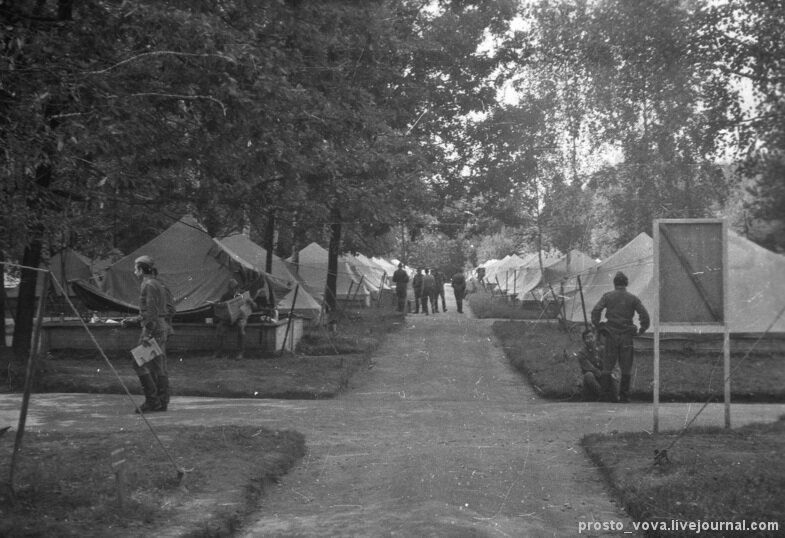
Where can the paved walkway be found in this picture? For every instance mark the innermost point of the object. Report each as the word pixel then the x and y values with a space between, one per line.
pixel 439 438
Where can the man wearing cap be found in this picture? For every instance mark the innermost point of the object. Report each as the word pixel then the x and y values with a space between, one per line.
pixel 620 306
pixel 155 310
pixel 401 279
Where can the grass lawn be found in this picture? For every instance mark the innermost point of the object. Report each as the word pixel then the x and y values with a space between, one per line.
pixel 543 351
pixel 712 475
pixel 64 483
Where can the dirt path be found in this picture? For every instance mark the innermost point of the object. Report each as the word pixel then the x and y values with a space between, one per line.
pixel 440 438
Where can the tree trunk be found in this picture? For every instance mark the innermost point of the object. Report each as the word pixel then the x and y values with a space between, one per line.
pixel 269 242
pixel 25 305
pixel 2 299
pixel 333 251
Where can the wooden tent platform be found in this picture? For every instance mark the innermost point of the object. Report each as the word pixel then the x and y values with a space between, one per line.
pixel 264 337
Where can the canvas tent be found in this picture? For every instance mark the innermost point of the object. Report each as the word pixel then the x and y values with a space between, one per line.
pixel 373 275
pixel 388 267
pixel 312 269
pixel 756 283
pixel 506 272
pixel 66 266
pixel 560 276
pixel 305 305
pixel 195 267
pixel 529 275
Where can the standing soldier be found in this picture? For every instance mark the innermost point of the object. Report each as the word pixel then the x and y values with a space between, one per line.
pixel 620 306
pixel 439 277
pixel 417 286
pixel 428 290
pixel 154 313
pixel 223 326
pixel 458 281
pixel 401 279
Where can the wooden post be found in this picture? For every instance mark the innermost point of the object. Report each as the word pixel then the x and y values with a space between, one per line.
pixel 381 289
pixel 655 385
pixel 289 321
pixel 359 285
pixel 583 303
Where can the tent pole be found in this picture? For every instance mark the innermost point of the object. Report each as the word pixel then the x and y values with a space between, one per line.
pixel 362 278
pixel 289 321
pixel 583 304
pixel 381 287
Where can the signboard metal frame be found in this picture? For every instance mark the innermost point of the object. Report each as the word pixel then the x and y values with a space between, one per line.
pixel 720 326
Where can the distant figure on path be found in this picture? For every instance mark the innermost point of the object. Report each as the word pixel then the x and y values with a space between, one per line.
pixel 417 286
pixel 598 380
pixel 439 277
pixel 620 306
pixel 401 279
pixel 458 281
pixel 428 291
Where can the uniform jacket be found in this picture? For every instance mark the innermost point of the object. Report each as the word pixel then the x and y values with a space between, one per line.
pixel 620 306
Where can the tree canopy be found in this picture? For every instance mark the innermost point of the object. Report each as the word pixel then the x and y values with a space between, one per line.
pixel 371 123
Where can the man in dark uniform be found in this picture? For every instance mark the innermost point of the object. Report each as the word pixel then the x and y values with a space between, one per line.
pixel 439 277
pixel 417 286
pixel 428 291
pixel 620 306
pixel 401 279
pixel 154 313
pixel 458 281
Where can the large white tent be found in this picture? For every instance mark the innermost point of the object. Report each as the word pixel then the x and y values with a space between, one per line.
pixel 312 269
pixel 505 271
pixel 529 275
pixel 756 282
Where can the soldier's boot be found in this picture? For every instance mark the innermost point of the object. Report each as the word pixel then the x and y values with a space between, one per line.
pixel 162 382
pixel 151 401
pixel 624 389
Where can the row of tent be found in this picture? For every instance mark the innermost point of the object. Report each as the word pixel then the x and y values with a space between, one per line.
pixel 197 269
pixel 756 281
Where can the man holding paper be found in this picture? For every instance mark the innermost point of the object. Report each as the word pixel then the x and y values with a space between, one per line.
pixel 154 312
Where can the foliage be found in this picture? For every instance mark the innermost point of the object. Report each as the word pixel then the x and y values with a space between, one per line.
pixel 639 77
pixel 753 53
pixel 498 245
pixel 436 251
pixel 325 116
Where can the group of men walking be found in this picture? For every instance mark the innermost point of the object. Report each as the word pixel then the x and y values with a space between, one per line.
pixel 428 289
